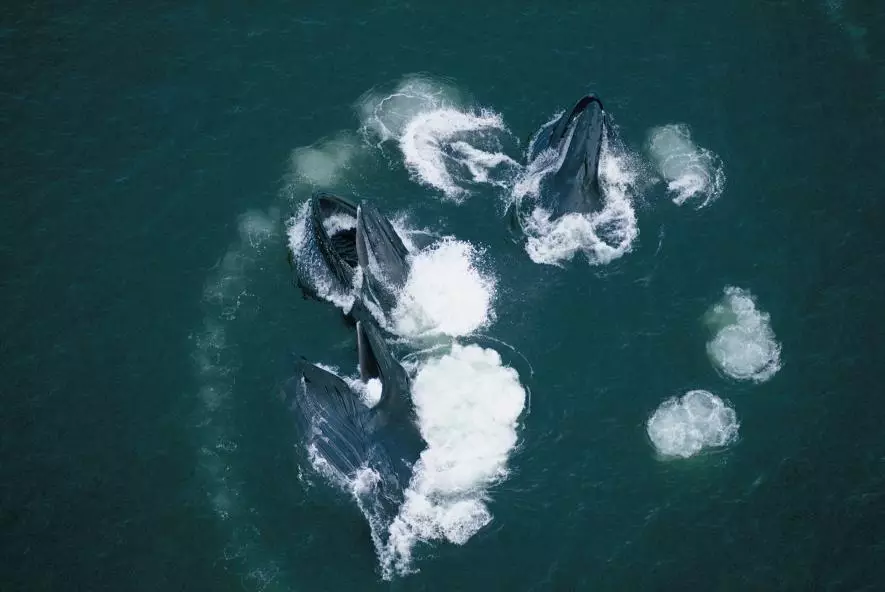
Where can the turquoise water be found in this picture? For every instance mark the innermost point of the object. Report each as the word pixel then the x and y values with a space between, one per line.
pixel 150 165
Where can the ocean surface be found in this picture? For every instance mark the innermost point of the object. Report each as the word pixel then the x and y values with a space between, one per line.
pixel 686 394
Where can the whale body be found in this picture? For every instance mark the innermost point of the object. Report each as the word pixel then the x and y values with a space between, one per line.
pixel 358 243
pixel 333 423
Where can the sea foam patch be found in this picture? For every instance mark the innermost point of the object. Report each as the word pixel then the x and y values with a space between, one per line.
pixel 692 173
pixel 743 345
pixel 468 404
pixel 447 292
pixel 684 426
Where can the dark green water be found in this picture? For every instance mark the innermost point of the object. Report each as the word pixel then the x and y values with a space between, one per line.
pixel 135 139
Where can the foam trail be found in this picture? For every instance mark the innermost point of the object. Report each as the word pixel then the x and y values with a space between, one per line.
pixel 216 365
pixel 684 426
pixel 601 236
pixel 691 172
pixel 468 405
pixel 444 144
pixel 743 345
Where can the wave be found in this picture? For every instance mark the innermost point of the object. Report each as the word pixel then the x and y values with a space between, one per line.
pixel 743 345
pixel 684 426
pixel 691 172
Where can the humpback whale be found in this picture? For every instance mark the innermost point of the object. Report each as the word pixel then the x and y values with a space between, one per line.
pixel 577 137
pixel 347 436
pixel 358 244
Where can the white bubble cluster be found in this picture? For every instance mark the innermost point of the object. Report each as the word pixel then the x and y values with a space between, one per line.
pixel 743 345
pixel 684 426
pixel 692 173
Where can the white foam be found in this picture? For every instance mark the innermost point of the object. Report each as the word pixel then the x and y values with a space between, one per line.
pixel 445 293
pixel 743 345
pixel 692 172
pixel 468 404
pixel 444 144
pixel 368 391
pixel 601 236
pixel 434 156
pixel 683 427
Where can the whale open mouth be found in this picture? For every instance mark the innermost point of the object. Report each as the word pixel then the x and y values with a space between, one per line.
pixel 334 220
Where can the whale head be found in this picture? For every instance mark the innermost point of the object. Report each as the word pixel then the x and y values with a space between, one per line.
pixel 577 136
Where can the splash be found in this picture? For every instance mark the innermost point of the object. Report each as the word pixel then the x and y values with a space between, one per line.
pixel 601 236
pixel 468 404
pixel 692 173
pixel 743 345
pixel 683 427
pixel 444 144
